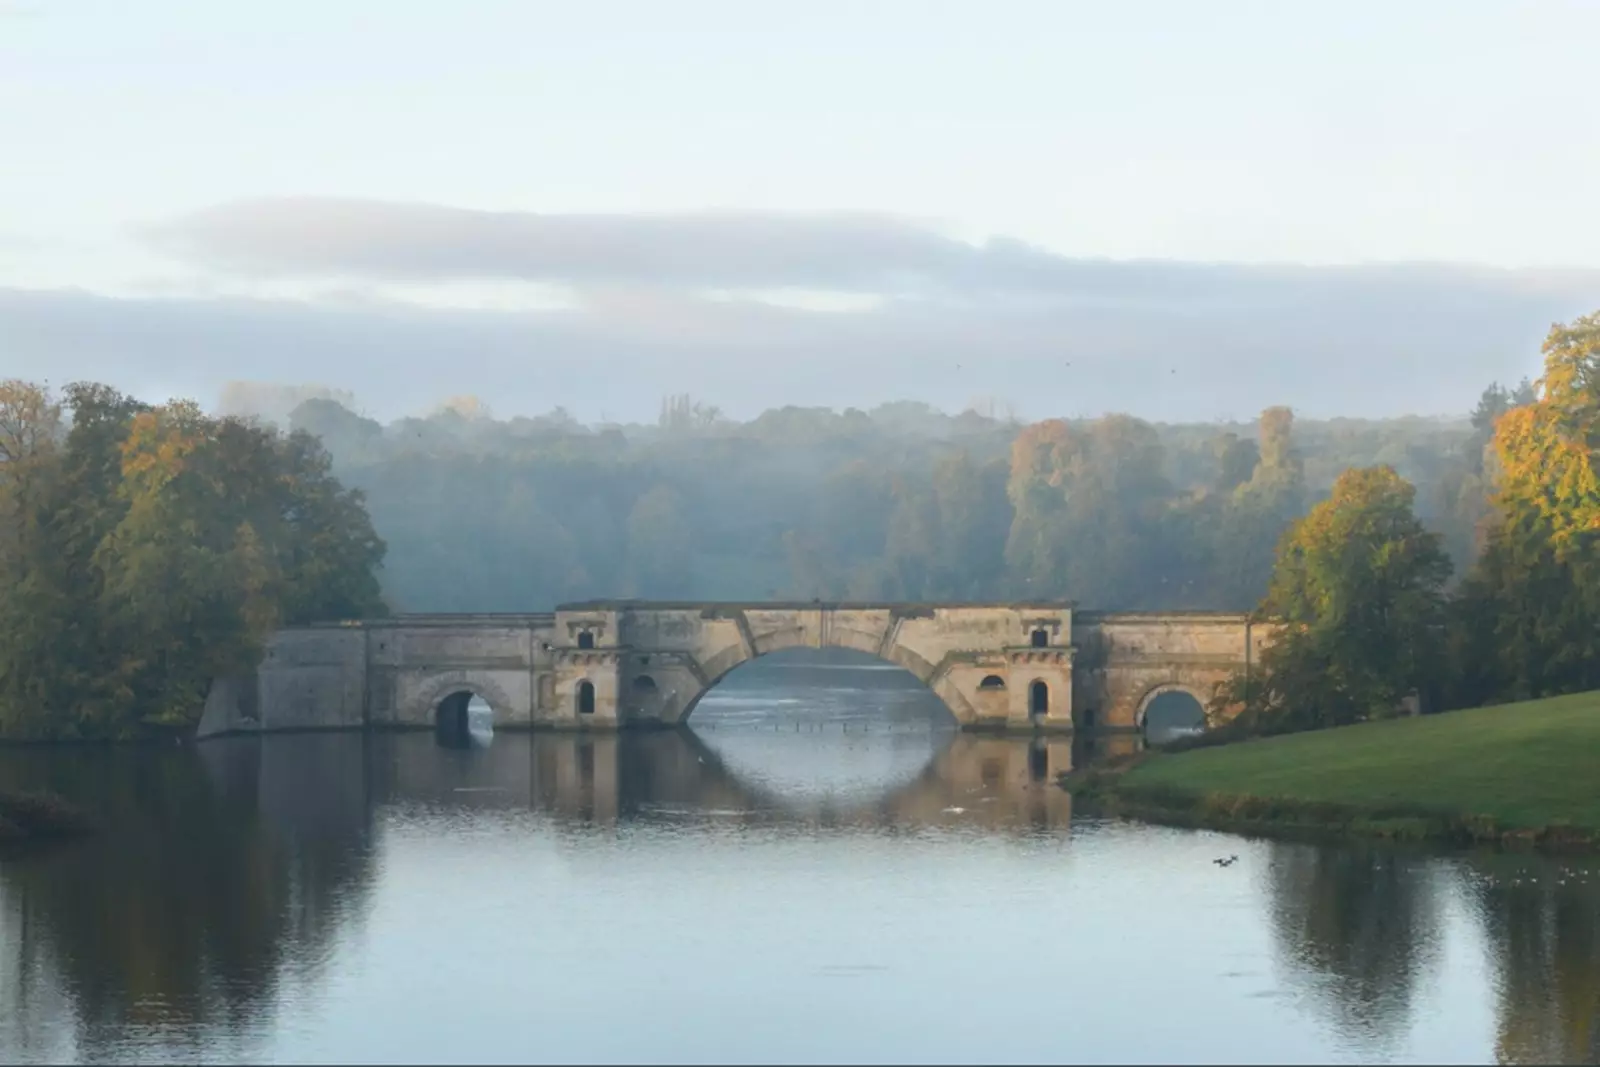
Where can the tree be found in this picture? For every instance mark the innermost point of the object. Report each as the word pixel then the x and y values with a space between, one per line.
pixel 1236 460
pixel 911 542
pixel 682 414
pixel 341 431
pixel 973 519
pixel 1042 460
pixel 153 550
pixel 660 545
pixel 1527 622
pixel 1358 588
pixel 1246 534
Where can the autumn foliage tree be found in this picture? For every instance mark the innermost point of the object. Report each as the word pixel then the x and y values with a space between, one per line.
pixel 1528 620
pixel 147 550
pixel 1358 588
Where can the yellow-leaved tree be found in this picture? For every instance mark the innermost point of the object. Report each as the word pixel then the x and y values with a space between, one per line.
pixel 1527 622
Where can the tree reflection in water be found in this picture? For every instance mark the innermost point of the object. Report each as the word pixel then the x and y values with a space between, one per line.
pixel 219 865
pixel 1542 920
pixel 232 872
pixel 1356 926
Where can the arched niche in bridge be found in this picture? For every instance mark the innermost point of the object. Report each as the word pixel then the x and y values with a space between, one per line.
pixel 585 697
pixel 644 697
pixel 1041 638
pixel 992 697
pixel 586 639
pixel 1039 698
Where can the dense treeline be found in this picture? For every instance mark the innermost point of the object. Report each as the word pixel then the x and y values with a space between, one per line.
pixel 1362 583
pixel 900 503
pixel 145 550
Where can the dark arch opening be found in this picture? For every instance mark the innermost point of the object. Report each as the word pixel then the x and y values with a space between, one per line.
pixel 586 639
pixel 992 682
pixel 1038 699
pixel 1172 714
pixel 453 717
pixel 1041 639
pixel 586 698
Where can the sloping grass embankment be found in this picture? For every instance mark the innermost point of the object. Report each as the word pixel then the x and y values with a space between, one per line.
pixel 1525 773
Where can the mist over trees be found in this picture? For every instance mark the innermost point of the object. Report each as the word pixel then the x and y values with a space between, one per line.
pixel 902 502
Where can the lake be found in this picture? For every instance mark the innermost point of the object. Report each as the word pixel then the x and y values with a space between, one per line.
pixel 820 870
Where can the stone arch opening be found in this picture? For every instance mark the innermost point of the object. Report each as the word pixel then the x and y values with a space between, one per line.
pixel 992 683
pixel 456 713
pixel 586 639
pixel 585 697
pixel 826 685
pixel 1171 711
pixel 1039 698
pixel 1041 638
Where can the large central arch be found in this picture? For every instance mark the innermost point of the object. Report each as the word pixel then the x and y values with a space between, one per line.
pixel 714 678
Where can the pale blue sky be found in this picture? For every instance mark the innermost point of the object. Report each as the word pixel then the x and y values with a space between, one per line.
pixel 1272 130
pixel 1283 131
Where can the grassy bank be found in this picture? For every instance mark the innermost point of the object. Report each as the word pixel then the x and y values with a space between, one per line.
pixel 1524 773
pixel 37 818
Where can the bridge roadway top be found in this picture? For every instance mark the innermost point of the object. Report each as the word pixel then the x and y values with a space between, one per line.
pixel 711 608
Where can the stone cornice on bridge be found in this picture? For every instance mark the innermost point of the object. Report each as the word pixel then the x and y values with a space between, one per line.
pixel 906 608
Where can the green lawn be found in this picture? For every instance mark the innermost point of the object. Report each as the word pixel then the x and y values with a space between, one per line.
pixel 1525 766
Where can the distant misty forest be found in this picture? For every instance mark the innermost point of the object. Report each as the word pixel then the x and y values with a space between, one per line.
pixel 900 502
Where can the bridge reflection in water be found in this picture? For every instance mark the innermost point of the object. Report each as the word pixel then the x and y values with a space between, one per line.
pixel 960 780
pixel 826 738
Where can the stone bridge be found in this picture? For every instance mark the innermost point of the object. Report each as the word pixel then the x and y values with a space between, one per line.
pixel 611 664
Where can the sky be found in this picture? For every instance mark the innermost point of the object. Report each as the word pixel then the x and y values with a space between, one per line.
pixel 1170 208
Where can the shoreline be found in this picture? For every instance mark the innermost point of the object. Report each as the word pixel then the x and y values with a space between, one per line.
pixel 1103 792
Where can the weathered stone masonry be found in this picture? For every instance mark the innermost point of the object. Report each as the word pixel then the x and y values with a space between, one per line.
pixel 614 664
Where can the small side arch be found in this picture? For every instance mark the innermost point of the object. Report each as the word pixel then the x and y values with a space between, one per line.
pixel 1156 691
pixel 424 708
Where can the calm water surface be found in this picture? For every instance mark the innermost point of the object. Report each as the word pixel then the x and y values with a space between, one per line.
pixel 821 871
